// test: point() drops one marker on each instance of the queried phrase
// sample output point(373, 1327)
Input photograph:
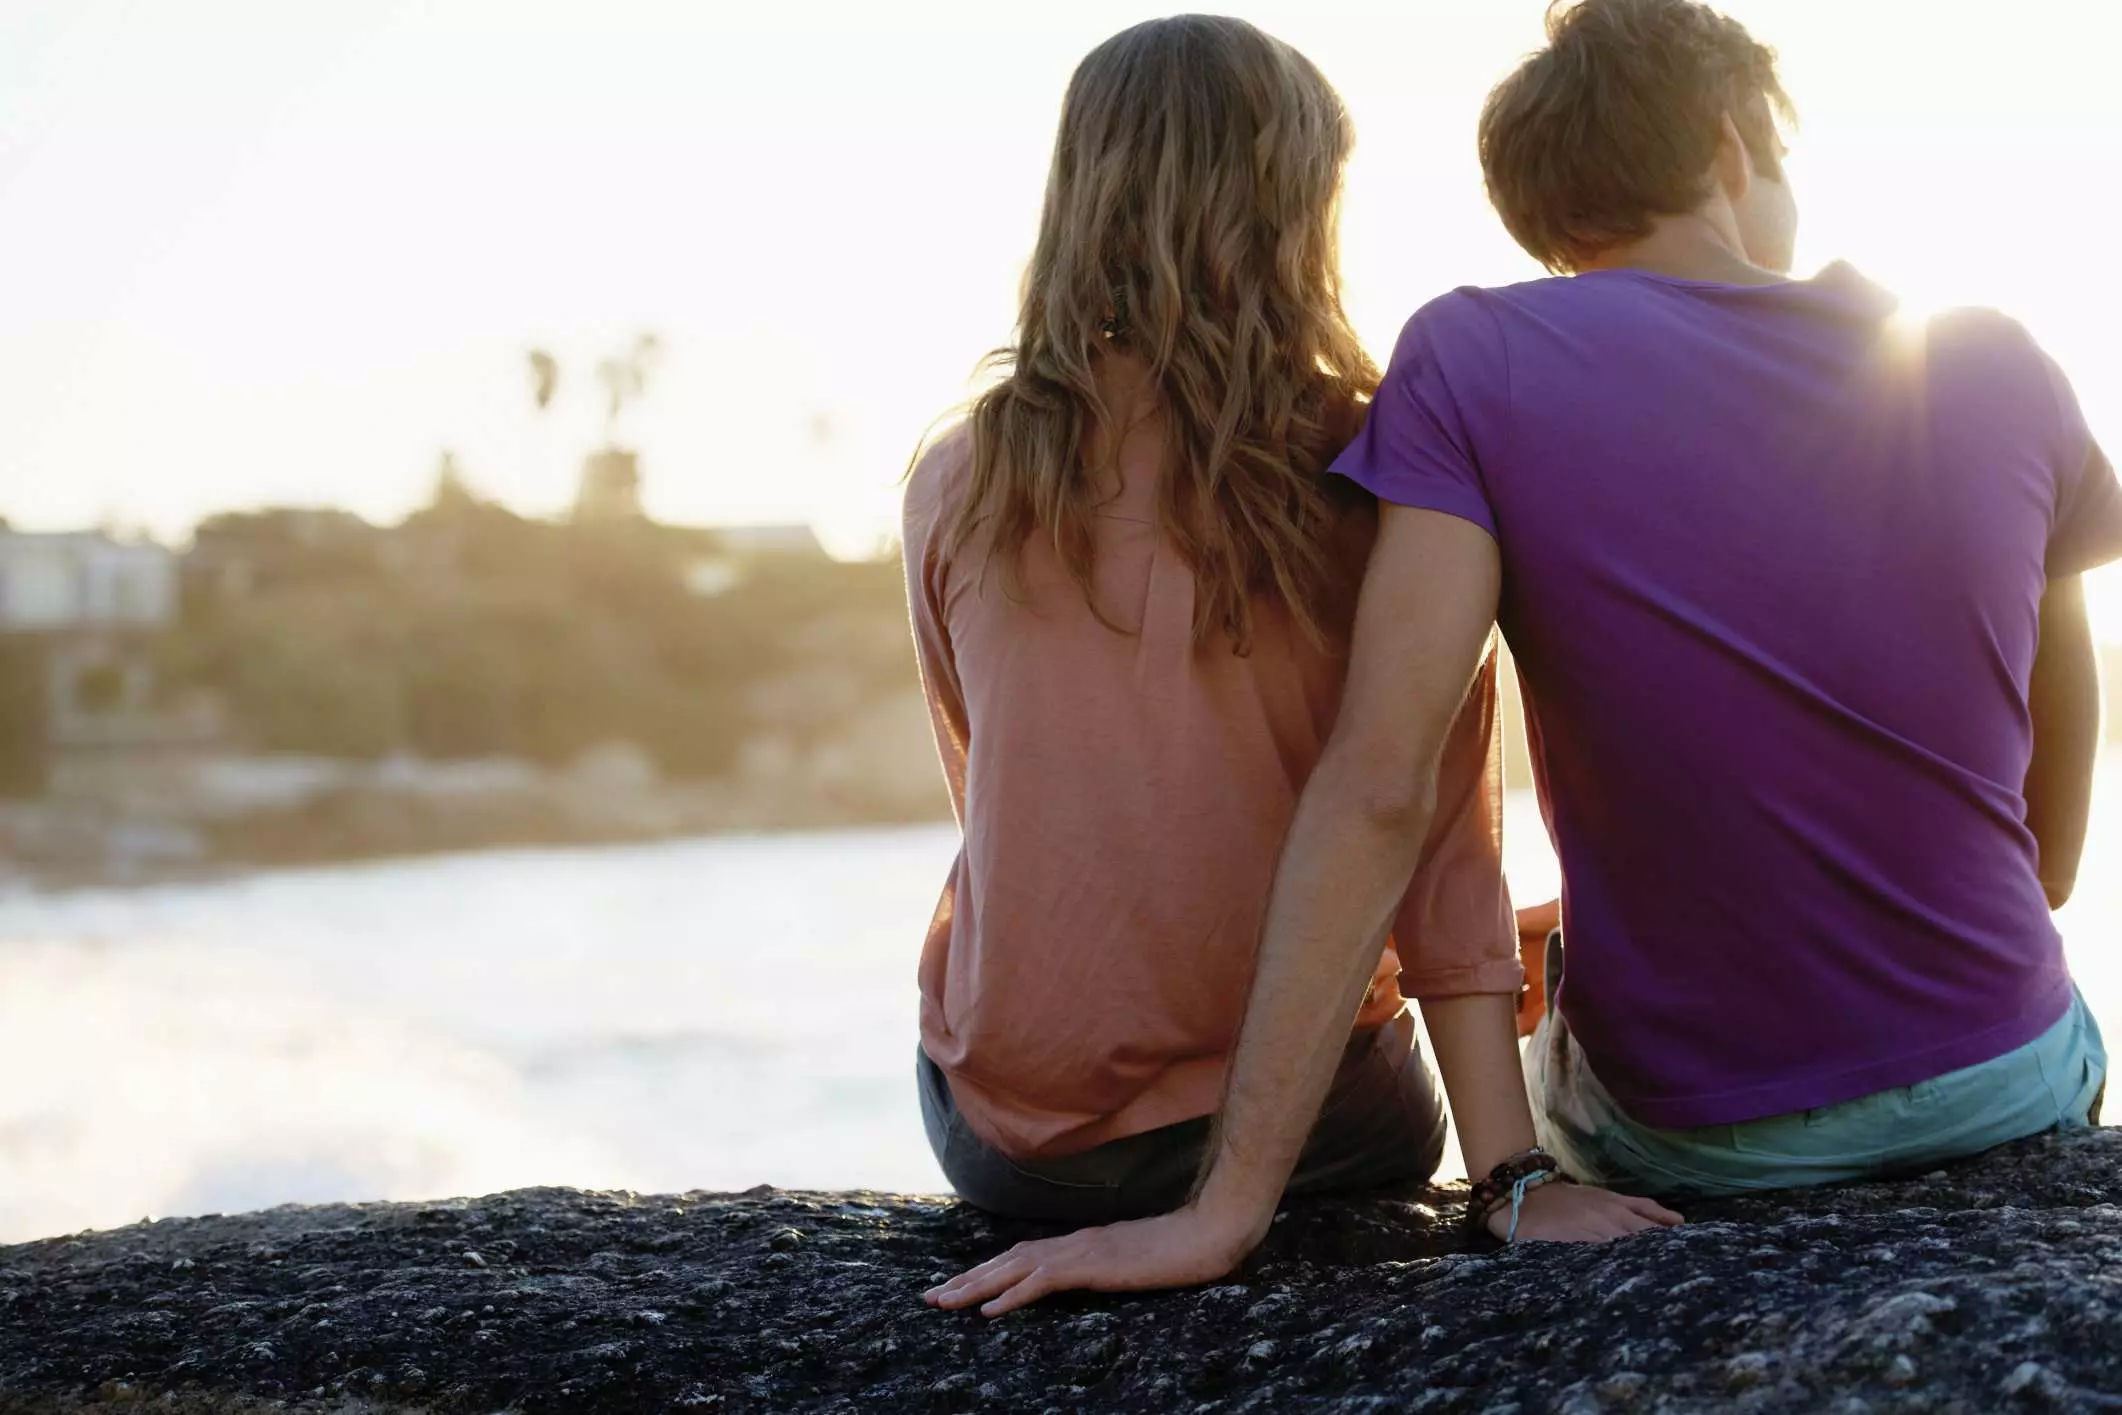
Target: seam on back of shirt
point(1510, 402)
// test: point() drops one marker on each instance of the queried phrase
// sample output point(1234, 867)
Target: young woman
point(1132, 581)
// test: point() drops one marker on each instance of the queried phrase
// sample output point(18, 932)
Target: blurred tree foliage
point(469, 631)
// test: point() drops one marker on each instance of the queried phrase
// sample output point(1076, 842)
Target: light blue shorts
point(2053, 1082)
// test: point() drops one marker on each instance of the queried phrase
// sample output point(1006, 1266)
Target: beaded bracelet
point(1509, 1183)
point(1518, 1192)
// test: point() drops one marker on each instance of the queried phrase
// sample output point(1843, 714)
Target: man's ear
point(1734, 167)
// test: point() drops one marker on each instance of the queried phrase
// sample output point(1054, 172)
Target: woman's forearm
point(1476, 1042)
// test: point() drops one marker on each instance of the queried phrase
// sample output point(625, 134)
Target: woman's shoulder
point(935, 484)
point(940, 468)
point(942, 463)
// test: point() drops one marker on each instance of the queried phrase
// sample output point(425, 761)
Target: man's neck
point(1688, 248)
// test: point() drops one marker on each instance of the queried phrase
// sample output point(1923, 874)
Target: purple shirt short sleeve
point(2088, 529)
point(1415, 448)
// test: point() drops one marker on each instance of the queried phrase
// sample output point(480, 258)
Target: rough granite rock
point(1992, 1286)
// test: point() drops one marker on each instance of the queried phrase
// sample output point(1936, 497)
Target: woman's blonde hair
point(1191, 220)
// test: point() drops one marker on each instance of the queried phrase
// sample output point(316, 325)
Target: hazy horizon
point(259, 254)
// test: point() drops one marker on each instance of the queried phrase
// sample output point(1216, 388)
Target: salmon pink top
point(1123, 795)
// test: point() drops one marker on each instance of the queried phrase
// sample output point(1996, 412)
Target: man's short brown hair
point(1617, 122)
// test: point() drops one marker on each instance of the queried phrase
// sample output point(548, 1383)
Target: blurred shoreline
point(298, 686)
point(225, 817)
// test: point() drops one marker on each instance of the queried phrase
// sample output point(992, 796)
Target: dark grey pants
point(1382, 1127)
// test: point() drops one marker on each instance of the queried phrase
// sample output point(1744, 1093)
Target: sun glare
point(1911, 316)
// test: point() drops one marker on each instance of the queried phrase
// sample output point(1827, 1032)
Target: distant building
point(610, 488)
point(75, 581)
point(728, 553)
point(79, 613)
point(792, 539)
point(713, 575)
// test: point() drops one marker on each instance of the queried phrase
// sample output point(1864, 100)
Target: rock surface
point(1994, 1286)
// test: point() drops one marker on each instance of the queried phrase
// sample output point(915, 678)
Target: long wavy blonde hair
point(1191, 220)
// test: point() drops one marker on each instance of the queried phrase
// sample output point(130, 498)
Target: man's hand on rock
point(1580, 1213)
point(1183, 1248)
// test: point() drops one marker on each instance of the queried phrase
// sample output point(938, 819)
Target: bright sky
point(253, 251)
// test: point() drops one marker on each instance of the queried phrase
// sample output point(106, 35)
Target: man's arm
point(1428, 608)
point(2064, 699)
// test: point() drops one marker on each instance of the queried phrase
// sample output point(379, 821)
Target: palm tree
point(625, 377)
point(545, 383)
point(545, 378)
point(453, 495)
point(610, 484)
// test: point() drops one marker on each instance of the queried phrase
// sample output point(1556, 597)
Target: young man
point(1794, 591)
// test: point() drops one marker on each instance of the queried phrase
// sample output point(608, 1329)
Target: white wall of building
point(82, 581)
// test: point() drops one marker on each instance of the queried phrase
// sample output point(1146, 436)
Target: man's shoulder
point(1546, 292)
point(1477, 304)
point(1455, 330)
point(1977, 326)
point(1471, 319)
point(1977, 348)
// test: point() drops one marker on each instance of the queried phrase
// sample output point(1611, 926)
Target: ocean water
point(707, 1014)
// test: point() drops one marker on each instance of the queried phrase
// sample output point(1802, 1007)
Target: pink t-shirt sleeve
point(924, 524)
point(2087, 531)
point(1415, 448)
point(1455, 933)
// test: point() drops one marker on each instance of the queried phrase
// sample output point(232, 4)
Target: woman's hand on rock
point(1183, 1248)
point(1580, 1213)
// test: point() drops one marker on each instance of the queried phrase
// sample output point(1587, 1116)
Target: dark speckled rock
point(1995, 1286)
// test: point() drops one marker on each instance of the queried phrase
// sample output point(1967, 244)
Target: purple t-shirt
point(1773, 565)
